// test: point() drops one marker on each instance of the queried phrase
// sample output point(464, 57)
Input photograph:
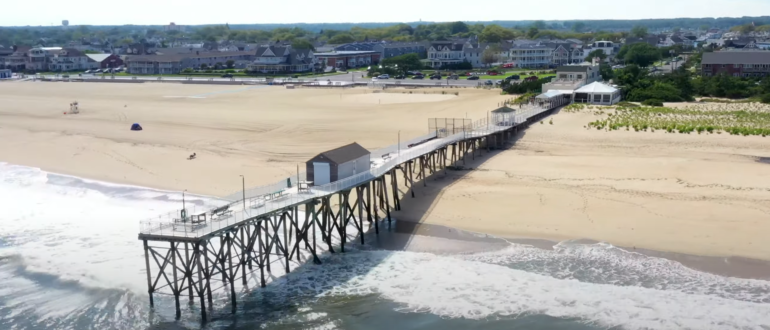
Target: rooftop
point(346, 153)
point(744, 57)
point(346, 52)
point(596, 87)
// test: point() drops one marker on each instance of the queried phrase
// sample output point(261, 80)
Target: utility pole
point(399, 143)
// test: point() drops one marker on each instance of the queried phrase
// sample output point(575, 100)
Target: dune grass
point(735, 119)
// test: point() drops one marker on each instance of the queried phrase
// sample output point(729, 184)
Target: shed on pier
point(337, 164)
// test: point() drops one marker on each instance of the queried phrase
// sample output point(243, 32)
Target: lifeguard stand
point(74, 107)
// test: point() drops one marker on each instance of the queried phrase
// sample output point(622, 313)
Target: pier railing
point(173, 224)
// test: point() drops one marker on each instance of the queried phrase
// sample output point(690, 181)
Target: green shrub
point(653, 102)
point(765, 98)
point(627, 104)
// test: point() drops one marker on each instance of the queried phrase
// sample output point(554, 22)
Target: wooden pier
point(195, 254)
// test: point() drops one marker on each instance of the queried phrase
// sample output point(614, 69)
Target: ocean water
point(70, 259)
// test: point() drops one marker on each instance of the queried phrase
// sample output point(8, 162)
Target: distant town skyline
point(147, 12)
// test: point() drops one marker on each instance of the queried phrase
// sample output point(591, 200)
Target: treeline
point(337, 33)
point(638, 85)
point(587, 25)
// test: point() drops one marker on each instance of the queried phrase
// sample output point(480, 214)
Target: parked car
point(513, 77)
point(227, 75)
point(473, 78)
point(418, 77)
point(454, 77)
point(489, 83)
point(399, 77)
point(435, 76)
point(383, 76)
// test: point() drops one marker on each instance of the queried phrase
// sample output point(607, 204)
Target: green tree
point(230, 64)
point(406, 62)
point(540, 25)
point(578, 27)
point(495, 33)
point(302, 44)
point(747, 28)
point(596, 53)
point(605, 70)
point(532, 32)
point(458, 27)
point(341, 39)
point(641, 54)
point(639, 31)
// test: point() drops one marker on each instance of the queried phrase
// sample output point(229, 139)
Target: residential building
point(342, 60)
point(106, 61)
point(16, 61)
point(532, 55)
point(740, 43)
point(175, 63)
point(738, 64)
point(385, 49)
point(443, 53)
point(38, 58)
point(69, 59)
point(562, 54)
point(652, 40)
point(393, 49)
point(607, 47)
point(282, 58)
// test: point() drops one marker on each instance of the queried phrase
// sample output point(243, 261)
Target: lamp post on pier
point(184, 208)
point(399, 142)
point(243, 184)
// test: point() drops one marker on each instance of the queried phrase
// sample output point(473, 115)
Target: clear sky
point(161, 12)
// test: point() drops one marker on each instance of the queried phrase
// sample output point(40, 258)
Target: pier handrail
point(164, 226)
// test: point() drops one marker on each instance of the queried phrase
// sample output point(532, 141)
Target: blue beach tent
point(136, 127)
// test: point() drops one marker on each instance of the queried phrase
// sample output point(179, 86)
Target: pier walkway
point(196, 251)
point(171, 226)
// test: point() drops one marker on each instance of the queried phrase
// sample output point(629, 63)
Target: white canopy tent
point(597, 93)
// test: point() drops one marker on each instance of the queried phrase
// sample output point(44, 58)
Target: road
point(361, 77)
point(343, 78)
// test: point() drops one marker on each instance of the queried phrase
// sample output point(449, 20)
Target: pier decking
point(229, 241)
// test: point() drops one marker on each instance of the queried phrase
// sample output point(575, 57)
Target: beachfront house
point(278, 58)
point(337, 164)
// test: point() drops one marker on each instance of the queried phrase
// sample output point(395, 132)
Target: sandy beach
point(262, 132)
point(695, 194)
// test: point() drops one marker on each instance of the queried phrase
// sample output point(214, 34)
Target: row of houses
point(55, 59)
point(748, 63)
point(516, 53)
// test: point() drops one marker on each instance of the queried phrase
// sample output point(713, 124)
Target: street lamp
point(399, 142)
point(243, 184)
point(184, 208)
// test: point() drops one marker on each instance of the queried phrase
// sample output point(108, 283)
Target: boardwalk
point(192, 250)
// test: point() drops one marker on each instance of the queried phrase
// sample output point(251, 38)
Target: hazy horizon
point(146, 12)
